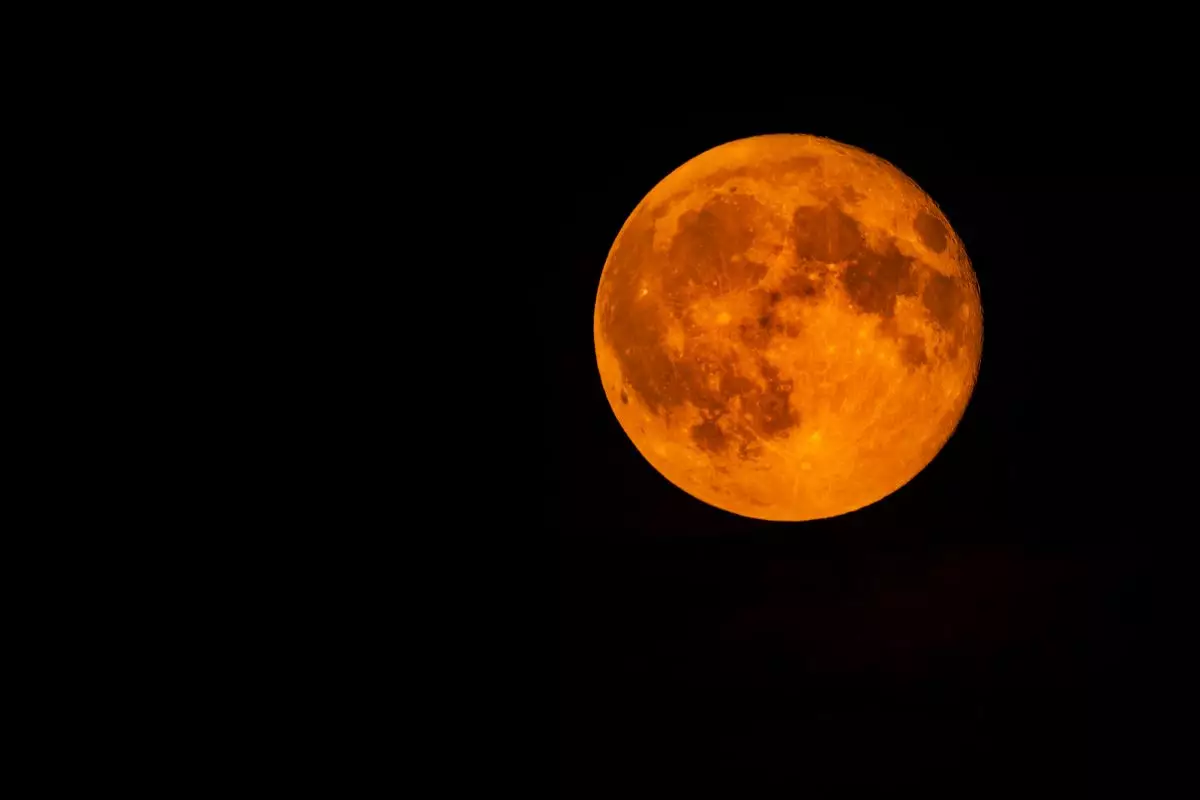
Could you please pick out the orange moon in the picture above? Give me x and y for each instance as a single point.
(788, 328)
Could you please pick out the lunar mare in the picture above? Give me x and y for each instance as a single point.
(788, 328)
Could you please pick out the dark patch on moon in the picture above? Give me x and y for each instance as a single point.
(709, 437)
(733, 384)
(804, 283)
(636, 325)
(932, 231)
(799, 164)
(694, 371)
(851, 195)
(772, 411)
(943, 299)
(638, 332)
(826, 233)
(708, 250)
(875, 279)
(756, 333)
(724, 174)
(766, 401)
(912, 351)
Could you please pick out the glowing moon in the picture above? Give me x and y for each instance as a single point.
(788, 328)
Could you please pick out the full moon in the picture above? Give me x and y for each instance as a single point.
(788, 328)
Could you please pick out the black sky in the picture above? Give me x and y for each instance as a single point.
(981, 624)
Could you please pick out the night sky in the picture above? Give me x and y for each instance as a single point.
(983, 626)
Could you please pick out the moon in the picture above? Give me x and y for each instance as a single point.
(788, 328)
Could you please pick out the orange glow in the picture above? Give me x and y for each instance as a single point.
(788, 328)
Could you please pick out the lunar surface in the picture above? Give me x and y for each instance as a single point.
(788, 328)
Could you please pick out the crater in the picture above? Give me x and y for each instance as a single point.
(931, 230)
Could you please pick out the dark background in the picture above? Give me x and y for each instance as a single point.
(983, 627)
